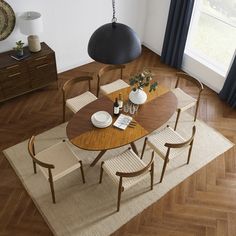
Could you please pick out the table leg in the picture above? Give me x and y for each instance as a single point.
(133, 146)
(98, 158)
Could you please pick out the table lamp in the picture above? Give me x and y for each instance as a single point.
(31, 24)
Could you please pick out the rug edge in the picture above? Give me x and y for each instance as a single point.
(215, 130)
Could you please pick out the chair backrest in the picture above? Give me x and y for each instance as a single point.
(69, 84)
(106, 69)
(182, 75)
(139, 172)
(31, 150)
(183, 144)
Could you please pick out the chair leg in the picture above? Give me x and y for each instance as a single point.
(101, 173)
(144, 146)
(98, 86)
(51, 186)
(119, 194)
(177, 118)
(152, 175)
(196, 111)
(82, 171)
(34, 165)
(189, 152)
(164, 169)
(58, 86)
(64, 113)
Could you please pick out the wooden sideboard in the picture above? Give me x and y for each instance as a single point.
(18, 77)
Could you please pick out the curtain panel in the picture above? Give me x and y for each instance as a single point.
(228, 92)
(176, 32)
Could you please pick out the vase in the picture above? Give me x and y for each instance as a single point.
(20, 53)
(138, 96)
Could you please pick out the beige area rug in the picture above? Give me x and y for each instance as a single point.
(90, 209)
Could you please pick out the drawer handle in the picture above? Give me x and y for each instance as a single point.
(40, 58)
(13, 75)
(41, 66)
(10, 67)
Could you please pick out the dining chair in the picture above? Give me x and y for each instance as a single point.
(126, 170)
(185, 101)
(113, 86)
(169, 144)
(77, 102)
(55, 162)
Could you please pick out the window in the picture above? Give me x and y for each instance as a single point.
(212, 33)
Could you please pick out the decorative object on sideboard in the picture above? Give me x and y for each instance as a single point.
(114, 43)
(19, 53)
(19, 49)
(138, 82)
(7, 20)
(31, 24)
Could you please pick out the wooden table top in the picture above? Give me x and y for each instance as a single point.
(159, 107)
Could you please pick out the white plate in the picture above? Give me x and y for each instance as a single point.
(98, 125)
(101, 117)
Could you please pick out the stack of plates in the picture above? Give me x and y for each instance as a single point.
(101, 119)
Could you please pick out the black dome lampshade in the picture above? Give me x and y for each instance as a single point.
(114, 43)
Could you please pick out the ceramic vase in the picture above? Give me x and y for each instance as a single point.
(138, 96)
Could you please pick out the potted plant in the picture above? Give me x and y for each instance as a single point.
(19, 48)
(138, 82)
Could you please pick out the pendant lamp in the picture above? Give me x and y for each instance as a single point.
(114, 43)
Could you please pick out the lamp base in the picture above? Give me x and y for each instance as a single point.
(34, 43)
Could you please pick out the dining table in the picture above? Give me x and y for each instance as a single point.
(156, 111)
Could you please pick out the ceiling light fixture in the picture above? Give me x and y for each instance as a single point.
(114, 43)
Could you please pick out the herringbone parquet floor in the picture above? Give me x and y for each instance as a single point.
(204, 204)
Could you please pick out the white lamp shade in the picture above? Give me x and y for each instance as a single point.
(31, 23)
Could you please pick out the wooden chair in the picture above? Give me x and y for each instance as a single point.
(168, 144)
(126, 170)
(55, 162)
(113, 86)
(186, 101)
(76, 103)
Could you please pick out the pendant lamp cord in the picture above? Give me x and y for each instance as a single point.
(114, 19)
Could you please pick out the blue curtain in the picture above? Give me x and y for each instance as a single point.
(228, 92)
(176, 32)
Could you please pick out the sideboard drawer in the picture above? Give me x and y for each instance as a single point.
(41, 61)
(14, 72)
(15, 85)
(43, 75)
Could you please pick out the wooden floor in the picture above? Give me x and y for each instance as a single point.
(204, 204)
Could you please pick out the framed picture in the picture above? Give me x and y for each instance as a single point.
(7, 20)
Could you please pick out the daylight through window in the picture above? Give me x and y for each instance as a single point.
(212, 33)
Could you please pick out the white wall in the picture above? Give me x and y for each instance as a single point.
(155, 25)
(156, 20)
(69, 24)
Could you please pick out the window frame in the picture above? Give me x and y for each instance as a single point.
(193, 53)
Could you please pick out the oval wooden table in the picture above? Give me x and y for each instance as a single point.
(159, 107)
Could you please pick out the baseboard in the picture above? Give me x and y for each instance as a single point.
(80, 63)
(151, 48)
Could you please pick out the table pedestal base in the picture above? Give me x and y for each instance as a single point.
(98, 158)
